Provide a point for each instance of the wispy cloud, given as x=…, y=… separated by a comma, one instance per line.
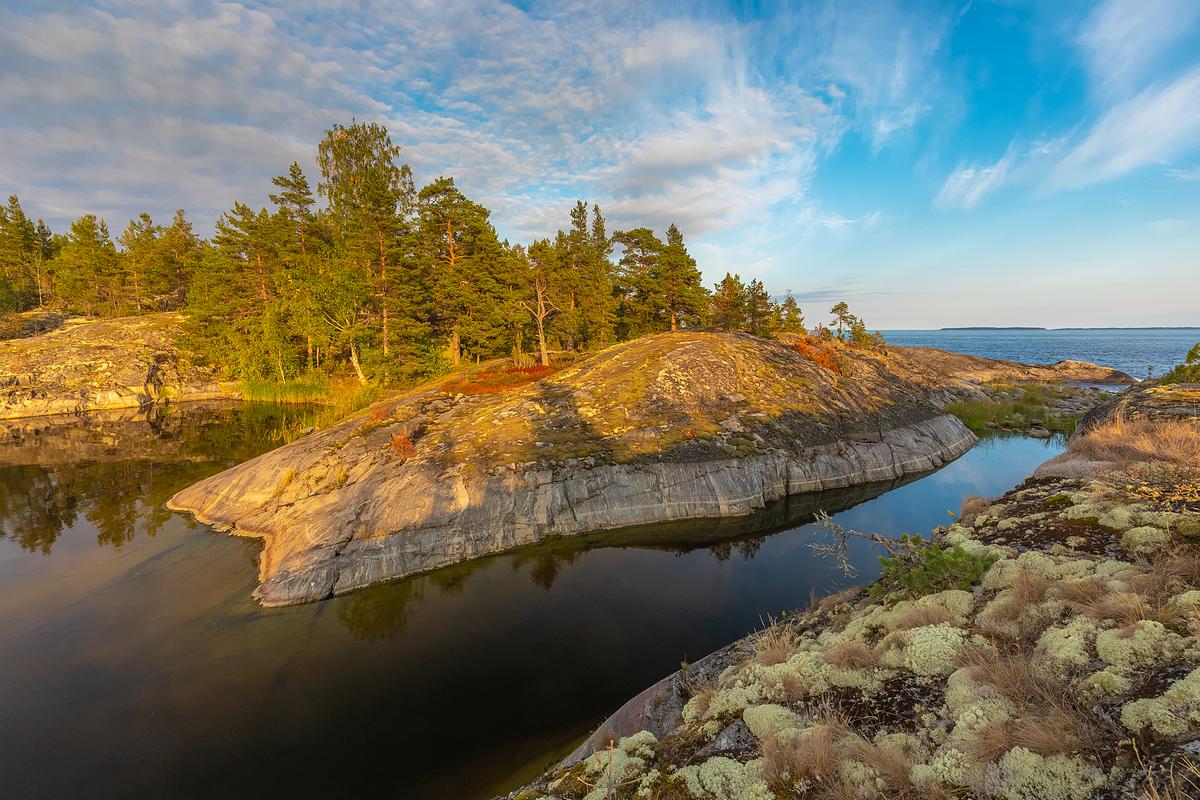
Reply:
x=1124, y=40
x=1151, y=127
x=966, y=186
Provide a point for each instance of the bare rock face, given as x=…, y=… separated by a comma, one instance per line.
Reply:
x=128, y=362
x=975, y=369
x=668, y=427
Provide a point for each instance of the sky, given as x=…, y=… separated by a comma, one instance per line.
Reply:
x=933, y=164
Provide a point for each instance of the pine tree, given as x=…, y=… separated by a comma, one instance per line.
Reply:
x=727, y=307
x=791, y=319
x=295, y=202
x=760, y=313
x=640, y=290
x=841, y=317
x=18, y=245
x=683, y=296
x=365, y=187
x=86, y=271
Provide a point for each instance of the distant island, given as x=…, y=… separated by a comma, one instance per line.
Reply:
x=994, y=328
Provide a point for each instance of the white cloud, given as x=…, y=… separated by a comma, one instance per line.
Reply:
x=1123, y=40
x=1151, y=127
x=966, y=186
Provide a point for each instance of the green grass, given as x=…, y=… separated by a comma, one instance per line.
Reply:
x=1032, y=404
x=309, y=389
x=339, y=401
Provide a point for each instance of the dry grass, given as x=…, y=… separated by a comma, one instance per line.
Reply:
x=972, y=504
x=1127, y=440
x=893, y=767
x=991, y=742
x=1082, y=592
x=1124, y=608
x=774, y=645
x=1016, y=676
x=919, y=616
x=811, y=756
x=1182, y=566
x=851, y=655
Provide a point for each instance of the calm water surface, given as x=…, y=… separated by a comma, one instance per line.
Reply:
x=134, y=664
x=1129, y=350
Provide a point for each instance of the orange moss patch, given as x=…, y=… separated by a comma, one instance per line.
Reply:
x=819, y=353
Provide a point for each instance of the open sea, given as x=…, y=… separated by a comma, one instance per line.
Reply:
x=1131, y=350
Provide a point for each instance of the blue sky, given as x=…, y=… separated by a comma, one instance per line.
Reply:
x=930, y=163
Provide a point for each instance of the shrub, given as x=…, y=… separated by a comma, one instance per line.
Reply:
x=492, y=381
x=919, y=568
x=1188, y=371
x=819, y=352
x=402, y=444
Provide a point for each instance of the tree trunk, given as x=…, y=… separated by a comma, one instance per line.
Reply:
x=454, y=347
x=357, y=366
x=672, y=320
x=542, y=342
x=310, y=353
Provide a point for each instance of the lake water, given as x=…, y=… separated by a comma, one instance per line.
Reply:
x=133, y=662
x=1130, y=350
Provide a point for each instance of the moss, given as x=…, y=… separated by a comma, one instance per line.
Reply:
x=769, y=720
x=721, y=778
x=1145, y=644
x=1025, y=775
x=1145, y=540
x=1174, y=713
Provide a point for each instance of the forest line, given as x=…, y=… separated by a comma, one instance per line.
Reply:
x=384, y=281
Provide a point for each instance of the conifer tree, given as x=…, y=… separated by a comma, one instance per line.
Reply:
x=365, y=186
x=683, y=296
x=86, y=270
x=759, y=310
x=727, y=308
x=791, y=319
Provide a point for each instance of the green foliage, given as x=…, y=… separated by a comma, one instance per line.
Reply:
x=310, y=388
x=1032, y=402
x=1188, y=371
x=920, y=567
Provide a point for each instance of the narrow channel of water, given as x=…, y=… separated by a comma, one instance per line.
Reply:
x=132, y=661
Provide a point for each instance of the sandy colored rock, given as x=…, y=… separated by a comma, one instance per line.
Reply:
x=91, y=365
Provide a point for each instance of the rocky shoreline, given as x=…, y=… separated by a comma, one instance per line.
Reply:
x=99, y=365
x=1070, y=668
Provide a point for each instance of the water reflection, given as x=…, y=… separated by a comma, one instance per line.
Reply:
x=146, y=670
x=116, y=469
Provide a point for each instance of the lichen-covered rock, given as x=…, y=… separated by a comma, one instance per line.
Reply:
x=93, y=365
x=721, y=778
x=1145, y=540
x=1175, y=712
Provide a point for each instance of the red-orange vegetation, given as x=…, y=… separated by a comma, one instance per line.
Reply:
x=496, y=380
x=820, y=354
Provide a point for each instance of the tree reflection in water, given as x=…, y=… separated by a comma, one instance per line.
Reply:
x=117, y=469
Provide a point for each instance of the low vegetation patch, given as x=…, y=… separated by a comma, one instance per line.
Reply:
x=1026, y=403
x=821, y=352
